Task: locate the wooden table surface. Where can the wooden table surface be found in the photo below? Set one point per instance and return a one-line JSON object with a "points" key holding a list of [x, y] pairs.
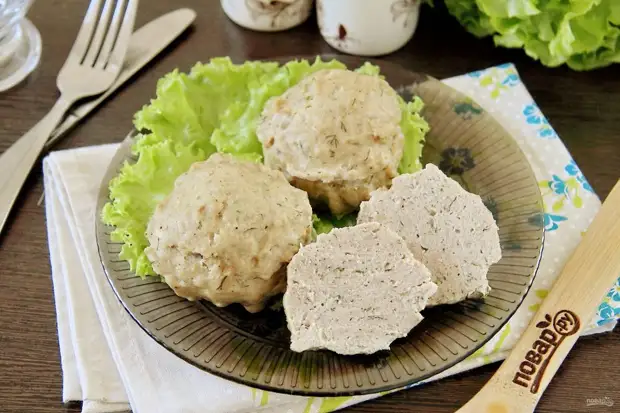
{"points": [[584, 108]]}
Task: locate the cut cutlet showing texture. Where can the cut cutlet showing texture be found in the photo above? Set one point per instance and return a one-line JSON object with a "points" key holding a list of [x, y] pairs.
{"points": [[354, 291], [447, 228]]}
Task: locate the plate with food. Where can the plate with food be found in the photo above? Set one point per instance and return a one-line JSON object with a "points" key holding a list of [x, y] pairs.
{"points": [[321, 226]]}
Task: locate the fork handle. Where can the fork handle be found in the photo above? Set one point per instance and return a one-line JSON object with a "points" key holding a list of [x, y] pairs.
{"points": [[522, 378], [17, 161]]}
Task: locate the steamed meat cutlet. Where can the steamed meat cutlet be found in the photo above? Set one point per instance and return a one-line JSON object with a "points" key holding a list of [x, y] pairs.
{"points": [[336, 135], [354, 291], [227, 231], [447, 228]]}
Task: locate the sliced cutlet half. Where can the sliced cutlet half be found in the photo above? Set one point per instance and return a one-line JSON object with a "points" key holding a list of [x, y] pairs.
{"points": [[447, 228], [354, 291]]}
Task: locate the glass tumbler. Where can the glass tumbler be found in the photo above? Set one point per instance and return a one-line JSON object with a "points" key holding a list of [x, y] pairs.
{"points": [[20, 43]]}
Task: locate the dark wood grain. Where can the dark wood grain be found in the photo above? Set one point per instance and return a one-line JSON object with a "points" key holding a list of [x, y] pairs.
{"points": [[584, 108]]}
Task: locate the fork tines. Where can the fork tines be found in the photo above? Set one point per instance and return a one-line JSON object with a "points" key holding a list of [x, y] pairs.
{"points": [[101, 30]]}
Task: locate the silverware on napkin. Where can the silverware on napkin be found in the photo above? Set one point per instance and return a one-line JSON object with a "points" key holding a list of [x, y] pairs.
{"points": [[93, 64]]}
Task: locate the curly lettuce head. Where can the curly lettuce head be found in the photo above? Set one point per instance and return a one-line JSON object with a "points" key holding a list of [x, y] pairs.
{"points": [[582, 34]]}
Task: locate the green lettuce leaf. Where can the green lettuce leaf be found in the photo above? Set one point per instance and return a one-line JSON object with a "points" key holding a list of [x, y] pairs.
{"points": [[136, 191], [414, 128], [215, 108], [324, 223], [582, 34]]}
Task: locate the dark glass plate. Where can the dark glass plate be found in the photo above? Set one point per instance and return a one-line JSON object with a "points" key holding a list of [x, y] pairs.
{"points": [[253, 349]]}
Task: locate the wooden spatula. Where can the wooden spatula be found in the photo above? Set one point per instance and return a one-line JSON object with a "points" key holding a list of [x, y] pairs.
{"points": [[522, 378]]}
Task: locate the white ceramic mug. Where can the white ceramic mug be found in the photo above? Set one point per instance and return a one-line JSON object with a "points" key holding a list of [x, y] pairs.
{"points": [[367, 27], [267, 15]]}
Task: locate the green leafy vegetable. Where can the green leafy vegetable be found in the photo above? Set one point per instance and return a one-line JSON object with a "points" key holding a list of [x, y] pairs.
{"points": [[323, 223], [414, 128], [582, 34], [136, 191], [214, 108]]}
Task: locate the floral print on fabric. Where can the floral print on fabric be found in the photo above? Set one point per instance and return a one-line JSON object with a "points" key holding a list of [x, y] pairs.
{"points": [[573, 170], [561, 190], [610, 307], [497, 79], [533, 116]]}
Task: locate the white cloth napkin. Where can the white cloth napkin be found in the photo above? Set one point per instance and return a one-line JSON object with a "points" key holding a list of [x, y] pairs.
{"points": [[110, 364]]}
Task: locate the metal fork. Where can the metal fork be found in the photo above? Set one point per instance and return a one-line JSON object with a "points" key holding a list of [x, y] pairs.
{"points": [[92, 66]]}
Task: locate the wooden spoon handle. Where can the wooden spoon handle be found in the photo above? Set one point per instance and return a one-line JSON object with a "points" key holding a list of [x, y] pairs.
{"points": [[522, 378]]}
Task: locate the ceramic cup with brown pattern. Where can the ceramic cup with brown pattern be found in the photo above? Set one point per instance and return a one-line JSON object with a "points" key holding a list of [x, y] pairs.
{"points": [[267, 15], [367, 27]]}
